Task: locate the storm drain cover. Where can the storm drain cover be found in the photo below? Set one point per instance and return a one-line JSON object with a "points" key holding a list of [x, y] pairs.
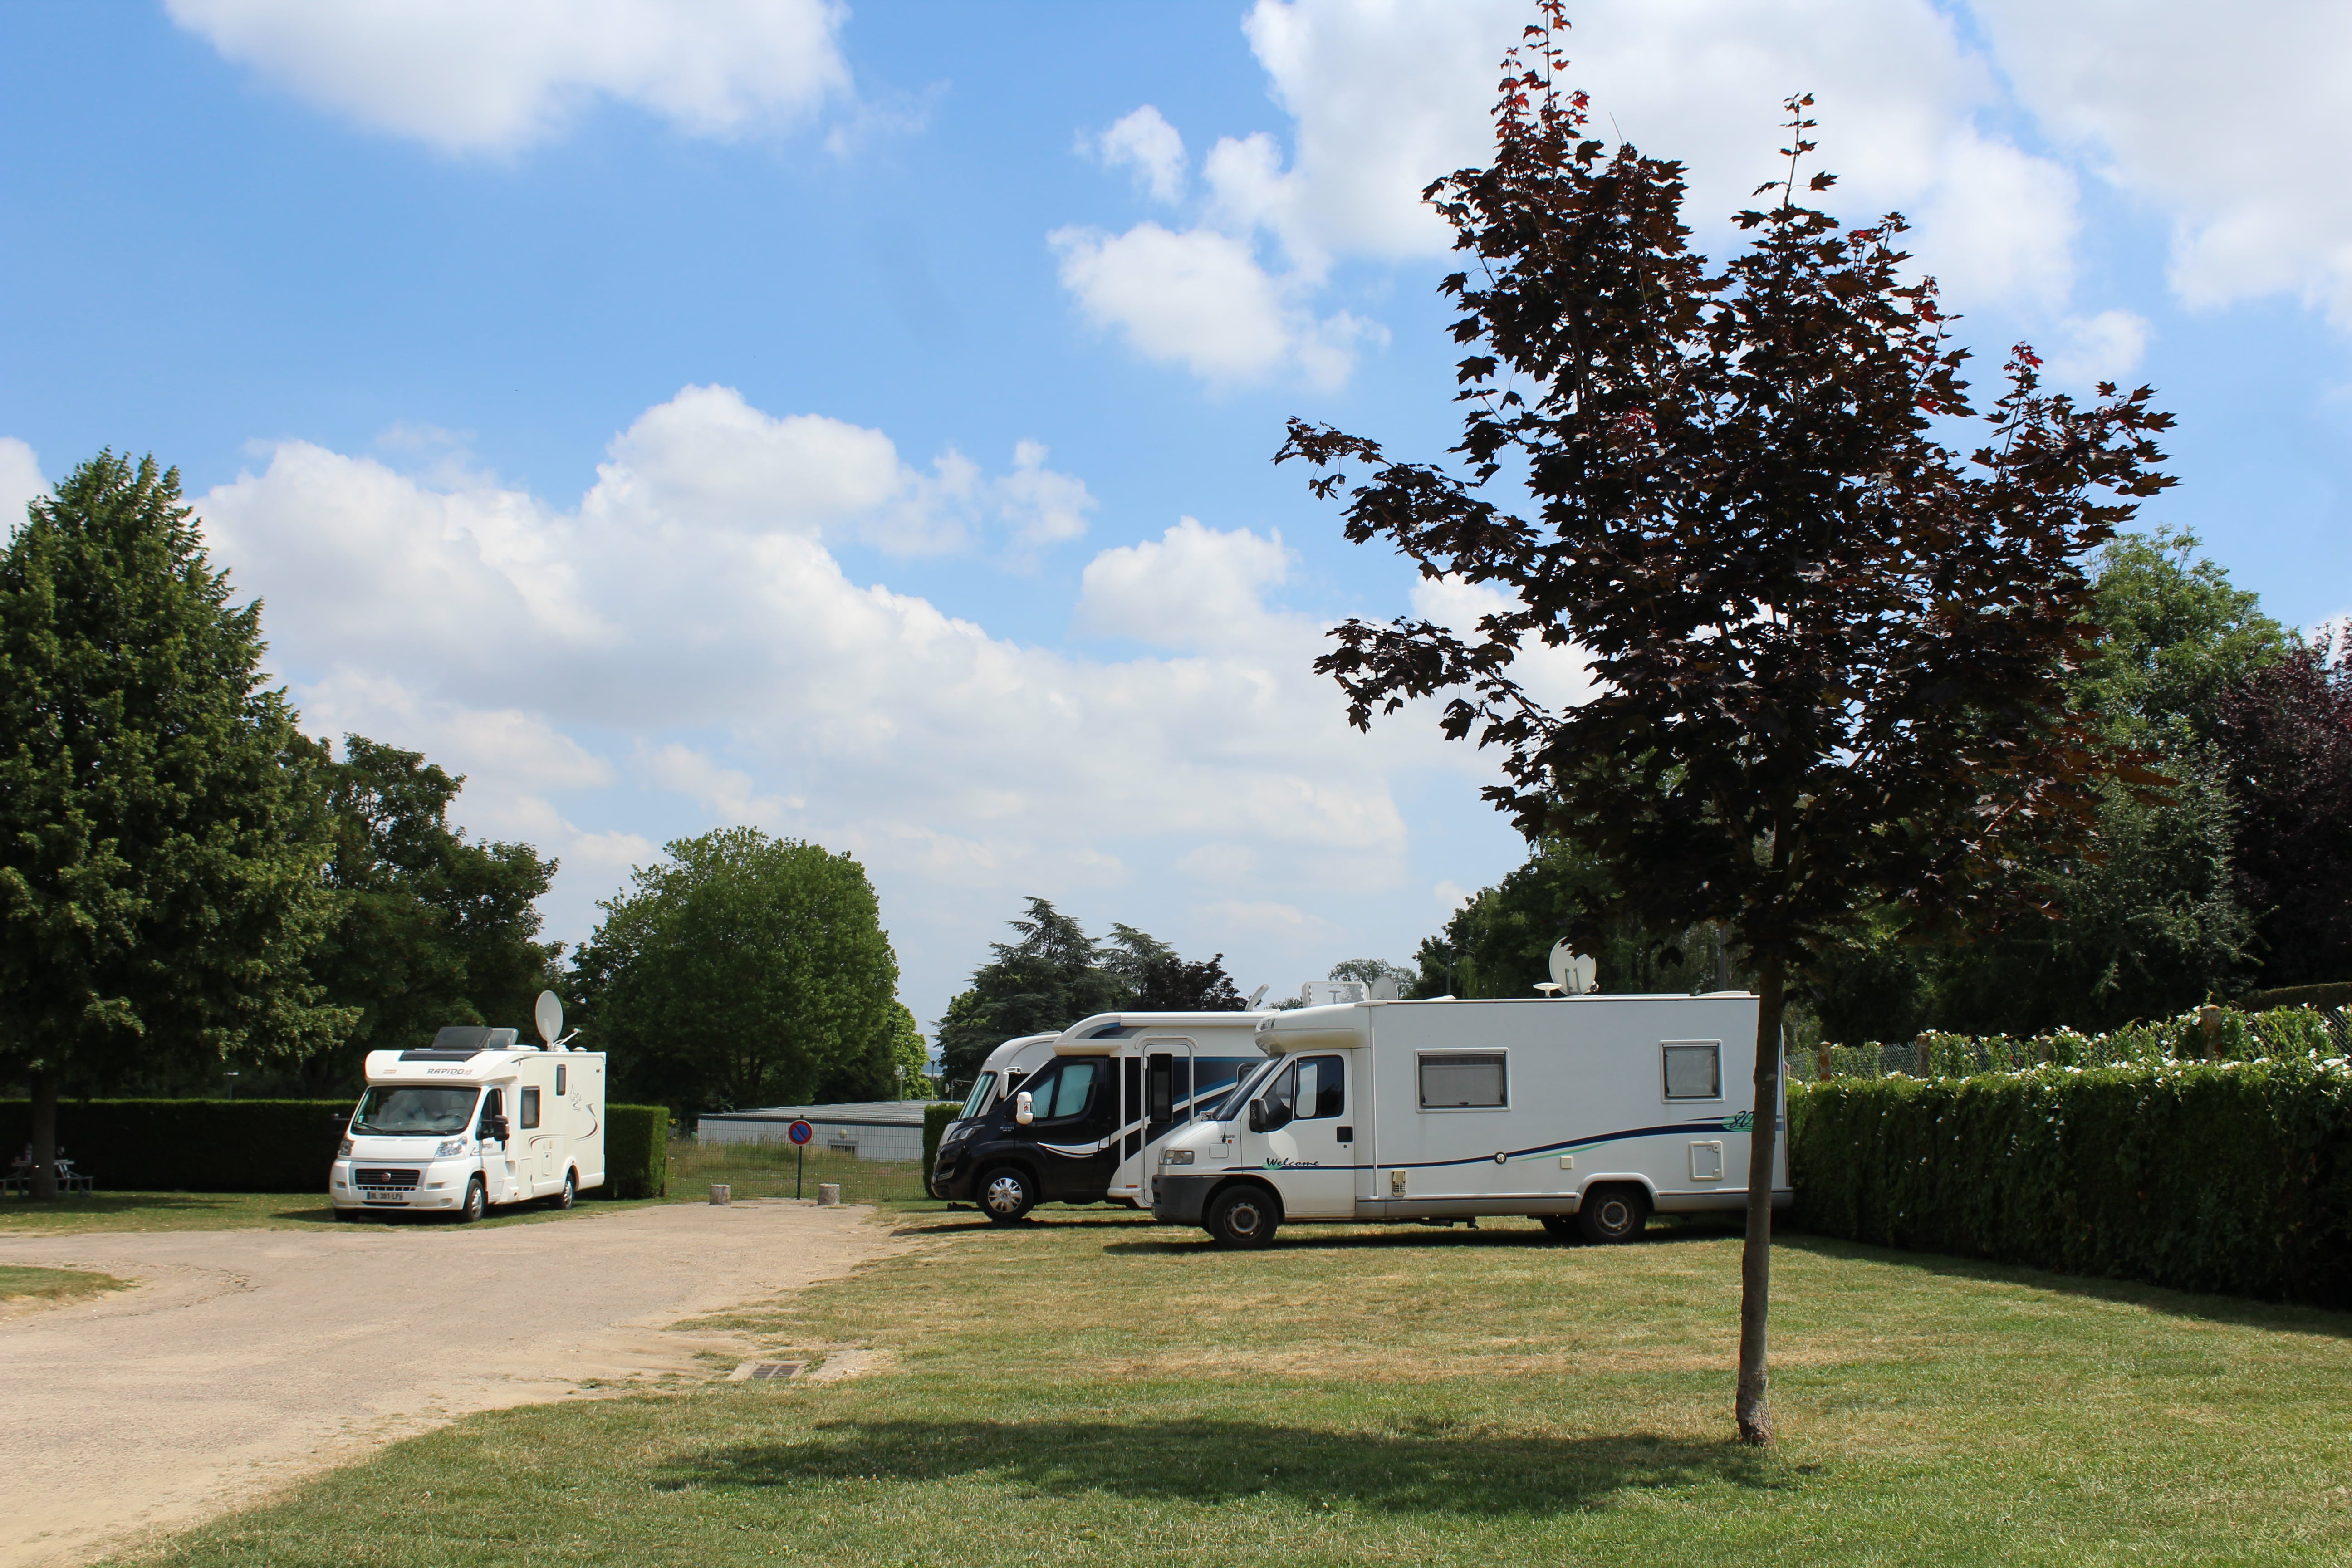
{"points": [[767, 1369]]}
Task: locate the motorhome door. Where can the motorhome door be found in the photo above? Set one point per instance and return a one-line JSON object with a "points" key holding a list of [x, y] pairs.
{"points": [[1159, 1090]]}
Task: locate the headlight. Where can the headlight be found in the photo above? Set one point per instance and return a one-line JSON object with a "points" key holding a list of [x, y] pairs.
{"points": [[1175, 1156], [343, 1149], [450, 1146]]}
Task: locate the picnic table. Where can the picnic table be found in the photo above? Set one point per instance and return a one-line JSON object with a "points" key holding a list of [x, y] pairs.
{"points": [[19, 1178]]}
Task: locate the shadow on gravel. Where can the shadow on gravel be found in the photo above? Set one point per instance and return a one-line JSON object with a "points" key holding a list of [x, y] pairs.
{"points": [[1432, 1467]]}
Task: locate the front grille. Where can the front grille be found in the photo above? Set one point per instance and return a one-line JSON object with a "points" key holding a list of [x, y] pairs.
{"points": [[376, 1176]]}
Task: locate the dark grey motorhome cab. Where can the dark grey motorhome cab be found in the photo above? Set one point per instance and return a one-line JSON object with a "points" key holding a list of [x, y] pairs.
{"points": [[1083, 1124]]}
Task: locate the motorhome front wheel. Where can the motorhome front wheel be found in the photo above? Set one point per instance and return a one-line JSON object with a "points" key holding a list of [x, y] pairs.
{"points": [[477, 1202], [1243, 1216], [1007, 1195]]}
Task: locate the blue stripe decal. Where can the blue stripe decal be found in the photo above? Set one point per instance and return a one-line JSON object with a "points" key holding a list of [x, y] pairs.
{"points": [[1719, 1124]]}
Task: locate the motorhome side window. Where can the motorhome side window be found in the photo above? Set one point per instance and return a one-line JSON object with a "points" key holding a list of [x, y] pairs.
{"points": [[530, 1107], [1464, 1081], [558, 1080], [494, 1104], [1694, 1069]]}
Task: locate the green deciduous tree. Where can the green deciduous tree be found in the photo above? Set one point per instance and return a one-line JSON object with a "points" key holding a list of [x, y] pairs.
{"points": [[1832, 658], [162, 829], [434, 927], [744, 971], [1056, 974]]}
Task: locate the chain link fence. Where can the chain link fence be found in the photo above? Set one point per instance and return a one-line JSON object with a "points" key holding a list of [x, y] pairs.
{"points": [[2207, 1033]]}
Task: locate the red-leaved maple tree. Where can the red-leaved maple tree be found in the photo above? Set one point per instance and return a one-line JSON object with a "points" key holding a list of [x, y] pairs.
{"points": [[1832, 653]]}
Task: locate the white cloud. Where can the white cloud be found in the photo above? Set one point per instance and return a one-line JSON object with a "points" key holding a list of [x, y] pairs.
{"points": [[465, 76], [1383, 96], [1146, 144], [2234, 123], [2105, 347], [20, 482], [1194, 587], [1042, 506], [1202, 298], [714, 642]]}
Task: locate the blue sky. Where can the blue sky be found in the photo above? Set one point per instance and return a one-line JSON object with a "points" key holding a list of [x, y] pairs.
{"points": [[857, 420]]}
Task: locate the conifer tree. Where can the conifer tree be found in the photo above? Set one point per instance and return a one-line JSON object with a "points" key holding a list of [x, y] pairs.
{"points": [[161, 833]]}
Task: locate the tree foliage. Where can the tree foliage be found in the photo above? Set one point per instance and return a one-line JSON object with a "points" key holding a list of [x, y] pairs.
{"points": [[432, 928], [160, 831], [744, 971], [1053, 974], [1833, 658], [2286, 734]]}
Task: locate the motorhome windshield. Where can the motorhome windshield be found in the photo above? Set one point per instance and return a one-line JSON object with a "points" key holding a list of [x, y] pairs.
{"points": [[413, 1111], [984, 1091], [1240, 1097]]}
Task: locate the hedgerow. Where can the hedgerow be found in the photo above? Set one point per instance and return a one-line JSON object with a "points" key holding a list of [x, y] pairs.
{"points": [[2224, 1176]]}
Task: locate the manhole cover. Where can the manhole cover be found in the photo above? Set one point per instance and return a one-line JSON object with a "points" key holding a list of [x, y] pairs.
{"points": [[766, 1369]]}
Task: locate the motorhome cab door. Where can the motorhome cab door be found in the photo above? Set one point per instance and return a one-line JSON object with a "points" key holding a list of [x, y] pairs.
{"points": [[1308, 1117]]}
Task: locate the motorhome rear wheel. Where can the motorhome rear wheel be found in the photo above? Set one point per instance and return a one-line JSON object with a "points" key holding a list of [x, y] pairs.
{"points": [[1007, 1195], [571, 1192], [1613, 1215], [1245, 1215]]}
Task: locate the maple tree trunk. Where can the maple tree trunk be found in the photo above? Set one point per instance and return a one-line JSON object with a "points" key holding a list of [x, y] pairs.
{"points": [[44, 1086], [1756, 1257]]}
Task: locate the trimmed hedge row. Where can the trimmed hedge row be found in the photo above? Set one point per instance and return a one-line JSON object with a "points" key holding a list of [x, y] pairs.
{"points": [[935, 1122], [270, 1145], [636, 1151], [191, 1145], [2233, 1177]]}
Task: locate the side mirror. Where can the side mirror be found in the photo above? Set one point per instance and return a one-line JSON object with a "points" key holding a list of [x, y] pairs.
{"points": [[495, 1127], [1021, 1111], [1258, 1116]]}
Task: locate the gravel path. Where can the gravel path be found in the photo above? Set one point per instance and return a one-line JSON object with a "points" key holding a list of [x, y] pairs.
{"points": [[246, 1359]]}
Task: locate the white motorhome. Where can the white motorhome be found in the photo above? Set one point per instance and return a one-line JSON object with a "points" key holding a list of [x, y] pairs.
{"points": [[1078, 1117], [469, 1122], [1586, 1112]]}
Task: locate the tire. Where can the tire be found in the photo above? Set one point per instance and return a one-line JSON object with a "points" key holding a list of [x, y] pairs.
{"points": [[1007, 1193], [477, 1202], [1243, 1217], [570, 1194], [1613, 1215], [1560, 1227]]}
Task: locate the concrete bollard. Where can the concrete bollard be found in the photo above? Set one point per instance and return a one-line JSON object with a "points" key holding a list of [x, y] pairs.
{"points": [[828, 1195], [721, 1194]]}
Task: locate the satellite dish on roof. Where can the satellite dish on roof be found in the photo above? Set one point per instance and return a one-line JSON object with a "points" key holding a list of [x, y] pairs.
{"points": [[1577, 974], [548, 1015]]}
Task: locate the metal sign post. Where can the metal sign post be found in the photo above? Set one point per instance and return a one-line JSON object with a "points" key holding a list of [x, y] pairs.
{"points": [[800, 1132]]}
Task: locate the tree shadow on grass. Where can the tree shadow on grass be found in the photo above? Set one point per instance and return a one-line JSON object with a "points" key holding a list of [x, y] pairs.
{"points": [[1432, 1467], [105, 1205], [2232, 1310]]}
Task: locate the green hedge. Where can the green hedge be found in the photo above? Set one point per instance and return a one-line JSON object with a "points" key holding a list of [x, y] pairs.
{"points": [[191, 1145], [935, 1121], [636, 1151], [271, 1146], [2233, 1177]]}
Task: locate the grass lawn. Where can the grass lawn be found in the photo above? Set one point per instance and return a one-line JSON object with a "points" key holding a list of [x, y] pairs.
{"points": [[1093, 1389], [765, 1171], [19, 1282]]}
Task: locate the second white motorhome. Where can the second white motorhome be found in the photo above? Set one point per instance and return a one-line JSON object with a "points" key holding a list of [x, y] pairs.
{"points": [[1586, 1112]]}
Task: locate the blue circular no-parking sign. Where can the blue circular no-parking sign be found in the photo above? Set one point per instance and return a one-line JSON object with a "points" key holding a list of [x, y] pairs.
{"points": [[800, 1132]]}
